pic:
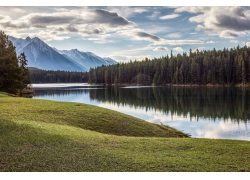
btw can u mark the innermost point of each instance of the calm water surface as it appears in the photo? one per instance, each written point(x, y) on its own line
point(202, 112)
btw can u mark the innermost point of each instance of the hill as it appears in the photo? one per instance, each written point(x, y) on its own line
point(40, 135)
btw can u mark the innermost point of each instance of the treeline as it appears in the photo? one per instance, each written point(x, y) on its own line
point(48, 76)
point(223, 67)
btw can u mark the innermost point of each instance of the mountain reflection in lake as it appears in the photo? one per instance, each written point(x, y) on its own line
point(203, 112)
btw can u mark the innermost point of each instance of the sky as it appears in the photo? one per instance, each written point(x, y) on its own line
point(129, 31)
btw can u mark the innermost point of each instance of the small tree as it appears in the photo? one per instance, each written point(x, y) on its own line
point(23, 62)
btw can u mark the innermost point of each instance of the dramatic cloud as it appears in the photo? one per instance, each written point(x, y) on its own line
point(228, 34)
point(83, 21)
point(20, 25)
point(160, 49)
point(90, 31)
point(227, 22)
point(138, 34)
point(96, 16)
point(171, 16)
point(179, 49)
point(112, 19)
point(147, 36)
point(53, 19)
point(71, 28)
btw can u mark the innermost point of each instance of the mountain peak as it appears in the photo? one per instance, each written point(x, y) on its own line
point(74, 50)
point(28, 38)
point(36, 39)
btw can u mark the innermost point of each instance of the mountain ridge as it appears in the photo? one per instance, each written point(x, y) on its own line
point(42, 56)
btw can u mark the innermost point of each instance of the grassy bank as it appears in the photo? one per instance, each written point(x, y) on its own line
point(39, 135)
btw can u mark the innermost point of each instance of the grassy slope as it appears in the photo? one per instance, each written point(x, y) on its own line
point(37, 135)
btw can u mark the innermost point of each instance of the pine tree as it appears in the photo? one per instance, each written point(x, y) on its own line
point(23, 62)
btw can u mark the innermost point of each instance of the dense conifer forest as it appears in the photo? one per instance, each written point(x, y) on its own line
point(49, 76)
point(209, 67)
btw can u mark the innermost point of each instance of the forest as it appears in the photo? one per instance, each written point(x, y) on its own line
point(209, 67)
point(49, 76)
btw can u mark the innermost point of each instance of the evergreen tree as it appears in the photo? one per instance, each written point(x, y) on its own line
point(23, 62)
point(10, 72)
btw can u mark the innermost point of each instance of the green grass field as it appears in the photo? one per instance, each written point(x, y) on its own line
point(41, 136)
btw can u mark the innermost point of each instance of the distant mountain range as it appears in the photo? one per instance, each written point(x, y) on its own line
point(42, 56)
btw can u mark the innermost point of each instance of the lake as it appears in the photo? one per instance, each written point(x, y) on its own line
point(202, 112)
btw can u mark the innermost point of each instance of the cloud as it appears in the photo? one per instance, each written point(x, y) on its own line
point(20, 25)
point(147, 36)
point(53, 19)
point(84, 21)
point(112, 19)
point(177, 42)
point(210, 42)
point(234, 41)
point(155, 15)
point(71, 28)
point(171, 16)
point(179, 49)
point(138, 34)
point(228, 34)
point(92, 16)
point(159, 48)
point(101, 39)
point(192, 9)
point(248, 44)
point(174, 35)
point(153, 29)
point(90, 31)
point(128, 11)
point(4, 19)
point(227, 22)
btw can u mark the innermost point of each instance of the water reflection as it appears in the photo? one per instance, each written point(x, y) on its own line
point(201, 112)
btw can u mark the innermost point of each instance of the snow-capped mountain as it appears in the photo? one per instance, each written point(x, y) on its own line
point(86, 59)
point(42, 56)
